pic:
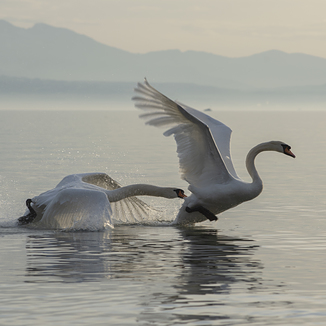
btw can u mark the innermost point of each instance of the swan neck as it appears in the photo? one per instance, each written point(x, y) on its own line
point(250, 163)
point(140, 190)
point(31, 209)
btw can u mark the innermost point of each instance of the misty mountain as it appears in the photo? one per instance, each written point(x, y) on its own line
point(26, 90)
point(52, 53)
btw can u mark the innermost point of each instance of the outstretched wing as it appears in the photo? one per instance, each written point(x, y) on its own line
point(203, 143)
point(128, 210)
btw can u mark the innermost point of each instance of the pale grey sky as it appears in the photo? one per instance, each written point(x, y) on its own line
point(227, 27)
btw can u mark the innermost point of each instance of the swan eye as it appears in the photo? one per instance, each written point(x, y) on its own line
point(285, 147)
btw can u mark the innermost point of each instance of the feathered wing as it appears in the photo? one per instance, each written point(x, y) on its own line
point(203, 144)
point(128, 210)
point(221, 135)
point(78, 209)
point(79, 196)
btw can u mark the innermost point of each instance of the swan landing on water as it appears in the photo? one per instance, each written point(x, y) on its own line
point(93, 201)
point(203, 147)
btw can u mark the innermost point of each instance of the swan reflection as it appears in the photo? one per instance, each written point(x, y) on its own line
point(68, 257)
point(216, 262)
point(167, 269)
point(189, 260)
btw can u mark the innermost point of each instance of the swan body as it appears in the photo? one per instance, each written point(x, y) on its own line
point(203, 147)
point(92, 197)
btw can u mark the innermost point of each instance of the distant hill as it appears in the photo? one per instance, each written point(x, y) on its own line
point(52, 53)
point(26, 90)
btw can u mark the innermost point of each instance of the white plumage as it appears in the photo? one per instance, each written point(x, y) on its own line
point(203, 147)
point(94, 201)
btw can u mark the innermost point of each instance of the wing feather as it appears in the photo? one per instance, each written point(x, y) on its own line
point(78, 209)
point(220, 133)
point(203, 144)
point(128, 210)
point(77, 197)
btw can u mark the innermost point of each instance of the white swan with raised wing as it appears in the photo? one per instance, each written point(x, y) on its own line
point(93, 201)
point(203, 147)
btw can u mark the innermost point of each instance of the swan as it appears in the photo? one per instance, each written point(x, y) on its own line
point(92, 194)
point(203, 147)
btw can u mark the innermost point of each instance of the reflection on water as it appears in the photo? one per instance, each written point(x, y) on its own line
point(159, 275)
point(216, 262)
point(68, 257)
point(205, 261)
point(176, 267)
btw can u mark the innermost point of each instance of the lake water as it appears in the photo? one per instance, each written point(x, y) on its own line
point(261, 263)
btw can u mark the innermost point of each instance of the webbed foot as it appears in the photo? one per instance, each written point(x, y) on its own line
point(208, 214)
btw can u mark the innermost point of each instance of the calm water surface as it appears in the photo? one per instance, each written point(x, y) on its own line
point(262, 263)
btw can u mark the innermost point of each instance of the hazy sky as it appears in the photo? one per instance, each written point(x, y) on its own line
point(227, 27)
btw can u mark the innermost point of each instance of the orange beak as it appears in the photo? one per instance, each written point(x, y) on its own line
point(181, 194)
point(287, 151)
